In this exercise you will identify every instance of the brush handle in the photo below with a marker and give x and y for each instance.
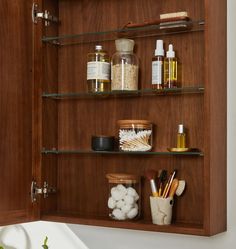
(165, 194)
(173, 187)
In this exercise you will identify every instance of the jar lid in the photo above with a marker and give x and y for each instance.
(134, 123)
(122, 178)
(124, 45)
(130, 121)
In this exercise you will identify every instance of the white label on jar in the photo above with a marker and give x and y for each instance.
(157, 72)
(98, 70)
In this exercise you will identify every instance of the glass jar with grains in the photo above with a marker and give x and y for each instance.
(124, 70)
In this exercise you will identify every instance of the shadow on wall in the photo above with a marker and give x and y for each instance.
(14, 237)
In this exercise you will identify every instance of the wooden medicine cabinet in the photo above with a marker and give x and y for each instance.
(47, 117)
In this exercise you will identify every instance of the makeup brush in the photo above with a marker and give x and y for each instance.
(168, 185)
(162, 178)
(151, 175)
(181, 187)
(173, 188)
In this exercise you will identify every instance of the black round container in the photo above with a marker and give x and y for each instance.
(103, 143)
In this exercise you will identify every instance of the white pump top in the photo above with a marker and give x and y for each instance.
(159, 51)
(170, 53)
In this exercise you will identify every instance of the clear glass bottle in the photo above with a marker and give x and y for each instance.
(170, 69)
(125, 66)
(158, 66)
(124, 200)
(98, 71)
(181, 137)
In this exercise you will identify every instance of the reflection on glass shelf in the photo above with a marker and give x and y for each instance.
(160, 153)
(143, 92)
(109, 35)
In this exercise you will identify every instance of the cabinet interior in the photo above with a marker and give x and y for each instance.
(68, 124)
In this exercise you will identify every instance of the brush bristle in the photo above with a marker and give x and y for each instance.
(151, 174)
(163, 176)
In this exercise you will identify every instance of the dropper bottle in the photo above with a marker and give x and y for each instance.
(157, 66)
(181, 137)
(170, 69)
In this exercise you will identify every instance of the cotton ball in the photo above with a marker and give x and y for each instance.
(118, 214)
(131, 191)
(129, 200)
(136, 197)
(120, 204)
(111, 203)
(122, 188)
(136, 205)
(113, 190)
(117, 195)
(126, 208)
(132, 213)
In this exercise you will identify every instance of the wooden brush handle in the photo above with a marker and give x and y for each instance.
(173, 187)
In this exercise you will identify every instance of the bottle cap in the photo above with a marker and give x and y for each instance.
(170, 53)
(98, 47)
(159, 51)
(181, 128)
(124, 45)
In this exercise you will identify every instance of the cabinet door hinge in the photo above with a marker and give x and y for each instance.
(45, 190)
(46, 16)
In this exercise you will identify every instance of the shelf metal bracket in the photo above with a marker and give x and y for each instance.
(46, 16)
(45, 191)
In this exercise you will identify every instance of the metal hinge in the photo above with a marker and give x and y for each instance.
(46, 16)
(45, 191)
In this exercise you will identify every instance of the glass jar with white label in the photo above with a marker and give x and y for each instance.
(98, 71)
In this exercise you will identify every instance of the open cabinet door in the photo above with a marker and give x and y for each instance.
(16, 105)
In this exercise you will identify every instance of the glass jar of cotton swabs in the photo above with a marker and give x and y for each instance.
(135, 135)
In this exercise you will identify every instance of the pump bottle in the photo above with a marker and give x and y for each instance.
(157, 66)
(170, 69)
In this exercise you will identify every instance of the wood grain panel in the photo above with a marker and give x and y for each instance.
(49, 108)
(82, 187)
(15, 111)
(80, 175)
(216, 117)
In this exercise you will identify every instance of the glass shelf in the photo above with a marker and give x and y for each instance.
(138, 93)
(160, 153)
(110, 35)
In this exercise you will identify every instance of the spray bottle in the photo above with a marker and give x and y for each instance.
(157, 66)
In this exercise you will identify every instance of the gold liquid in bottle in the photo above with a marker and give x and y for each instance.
(98, 71)
(181, 137)
(170, 69)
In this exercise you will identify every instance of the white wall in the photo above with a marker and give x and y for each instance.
(96, 238)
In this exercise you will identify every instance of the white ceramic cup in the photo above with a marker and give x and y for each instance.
(161, 210)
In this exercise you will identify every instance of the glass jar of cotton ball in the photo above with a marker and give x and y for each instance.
(124, 196)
